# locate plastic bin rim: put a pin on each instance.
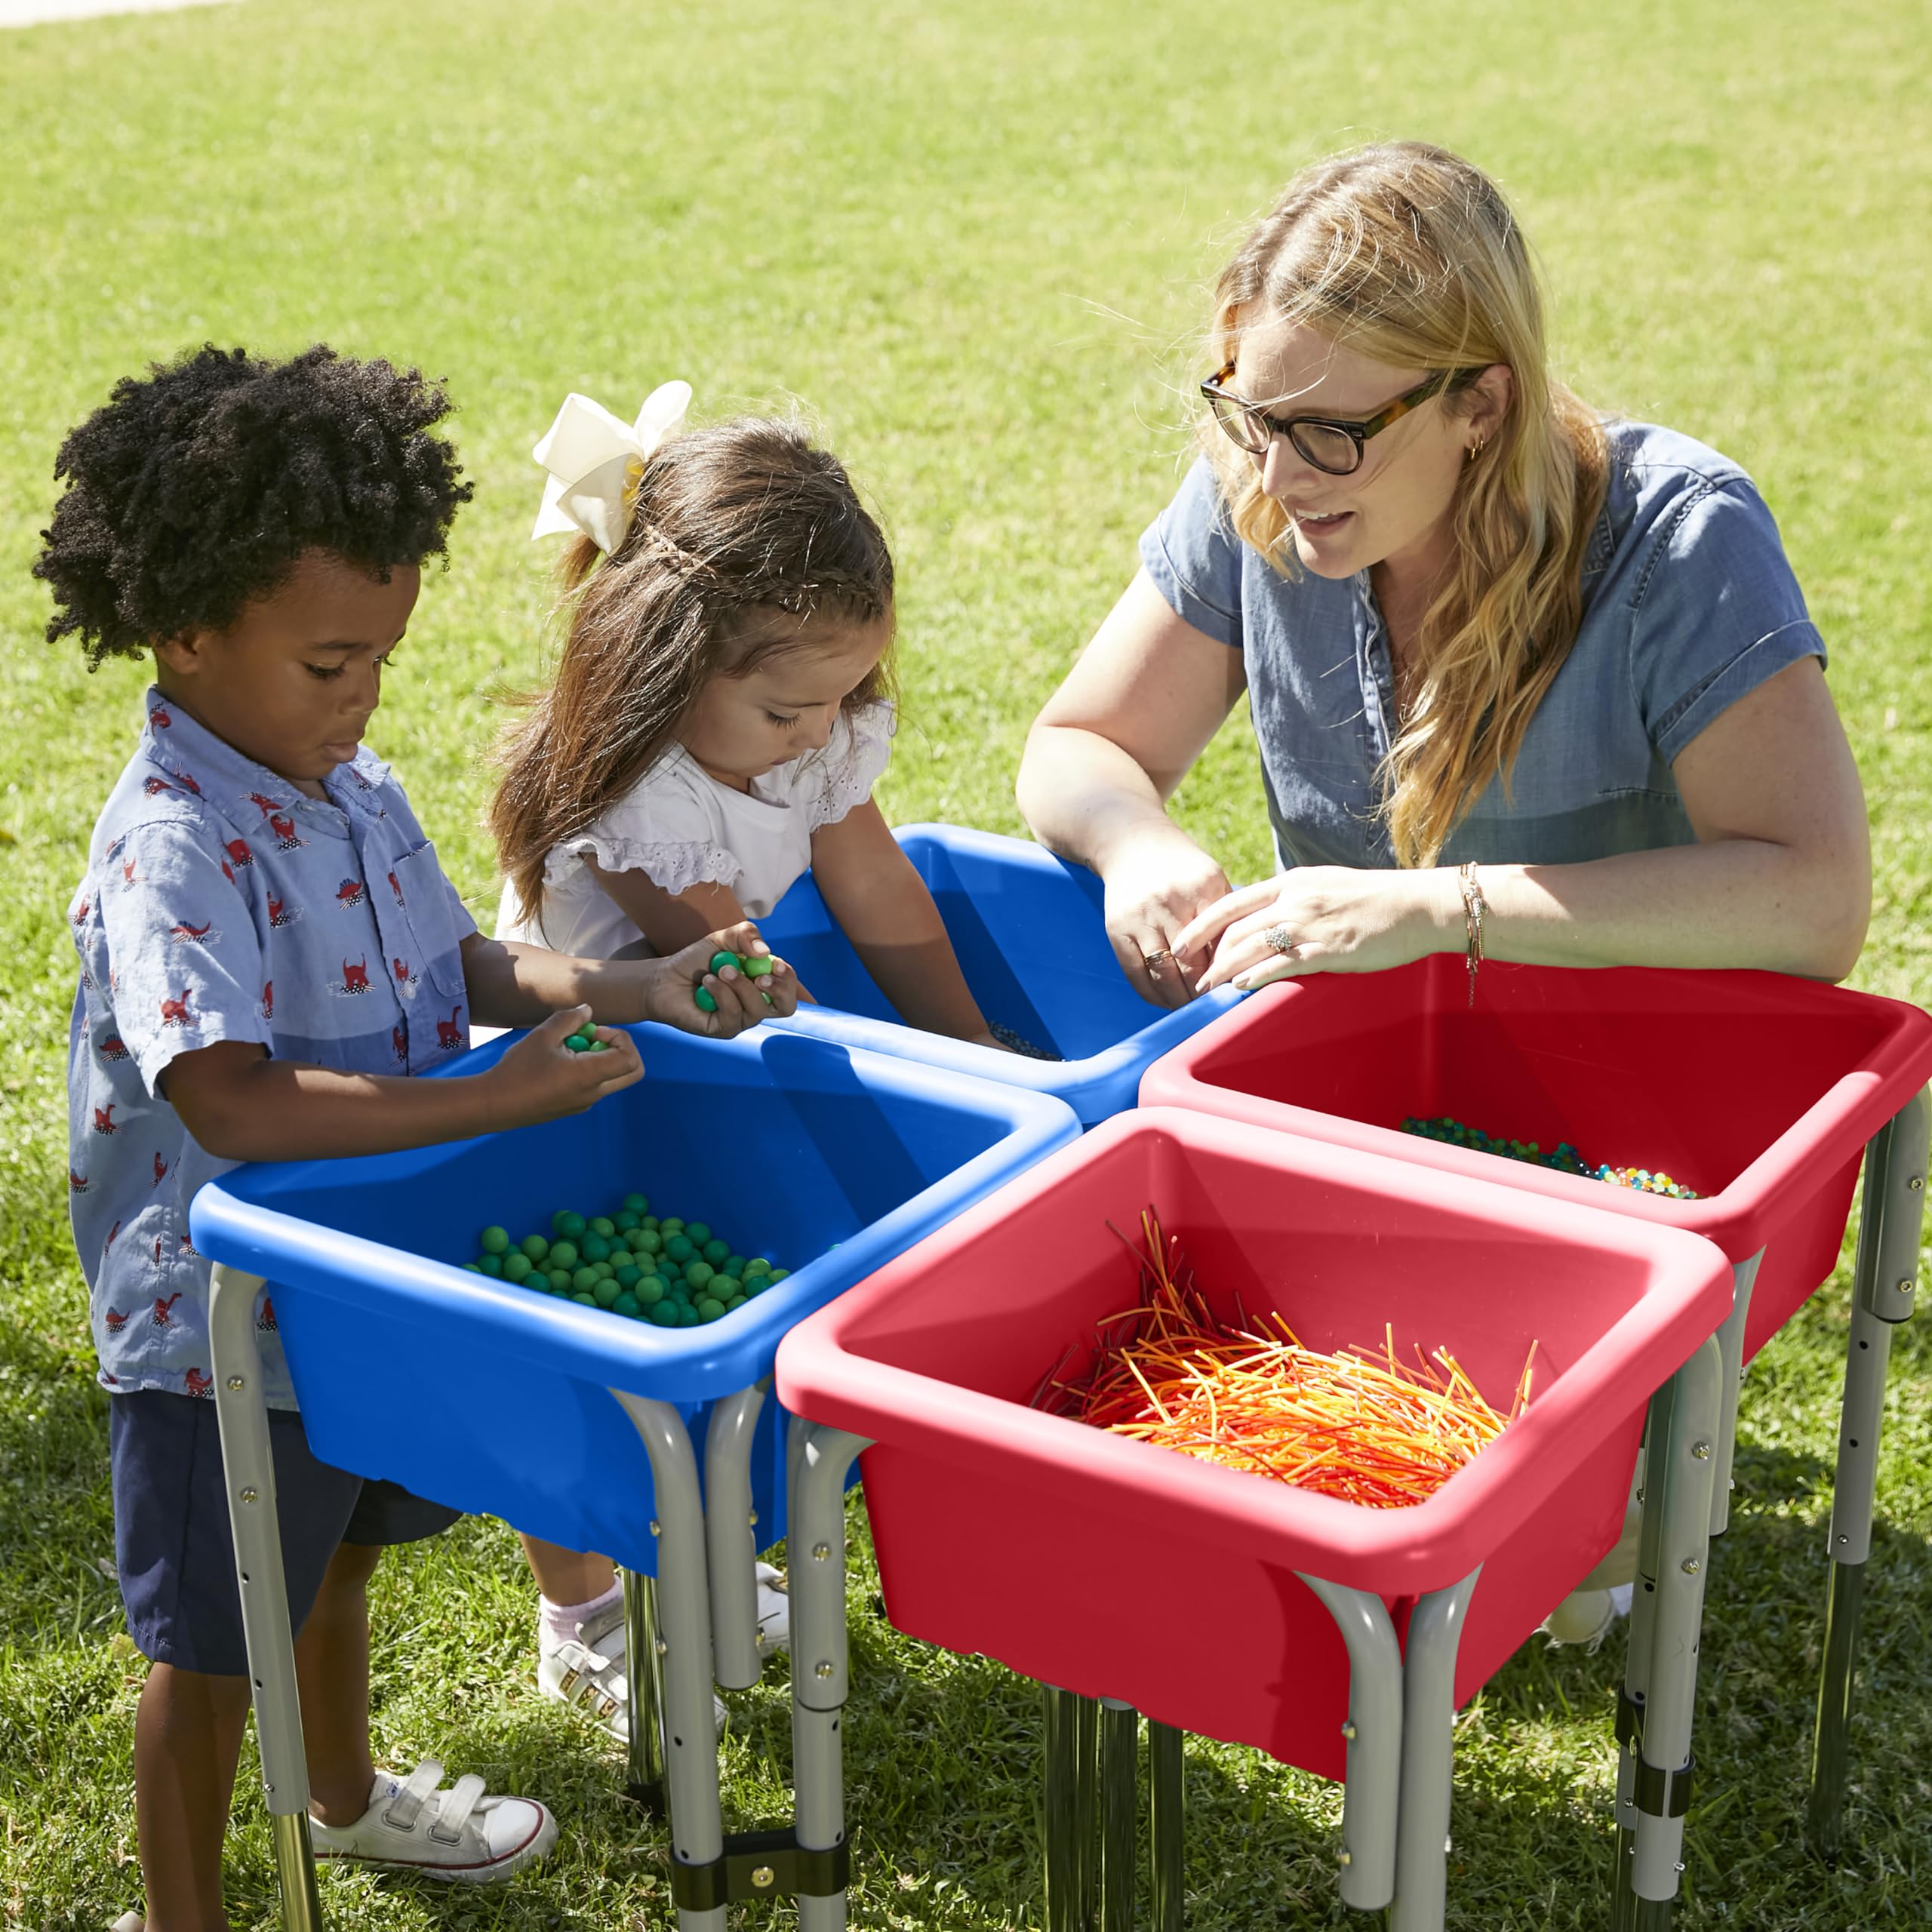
(686, 1364)
(1740, 1217)
(1394, 1551)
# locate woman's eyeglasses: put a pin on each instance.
(1332, 443)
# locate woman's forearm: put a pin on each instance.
(1731, 901)
(1082, 796)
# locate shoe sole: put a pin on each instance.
(536, 1846)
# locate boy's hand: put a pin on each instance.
(742, 999)
(540, 1078)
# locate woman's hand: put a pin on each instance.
(1159, 885)
(540, 1078)
(669, 985)
(1326, 919)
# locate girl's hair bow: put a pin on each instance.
(595, 462)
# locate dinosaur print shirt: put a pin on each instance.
(221, 903)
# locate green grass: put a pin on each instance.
(970, 239)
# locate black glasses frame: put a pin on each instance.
(1235, 416)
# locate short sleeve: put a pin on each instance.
(183, 953)
(852, 763)
(1191, 553)
(1719, 611)
(666, 827)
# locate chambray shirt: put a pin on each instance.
(221, 903)
(1689, 603)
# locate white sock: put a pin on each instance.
(557, 1622)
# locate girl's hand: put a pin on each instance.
(741, 1000)
(1158, 884)
(1333, 919)
(540, 1079)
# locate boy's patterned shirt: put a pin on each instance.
(221, 903)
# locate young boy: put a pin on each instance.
(268, 952)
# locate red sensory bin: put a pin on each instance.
(1756, 1089)
(1112, 1567)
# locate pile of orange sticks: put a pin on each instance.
(1362, 1427)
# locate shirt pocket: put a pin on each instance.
(423, 894)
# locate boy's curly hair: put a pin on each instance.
(194, 489)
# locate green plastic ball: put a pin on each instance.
(733, 1265)
(671, 1225)
(586, 1301)
(637, 1204)
(535, 1247)
(605, 1293)
(594, 1247)
(680, 1247)
(494, 1241)
(630, 1274)
(665, 1315)
(647, 1241)
(626, 1222)
(699, 1274)
(627, 1305)
(559, 1279)
(757, 1265)
(516, 1266)
(696, 1233)
(649, 1290)
(708, 1309)
(602, 1224)
(647, 1223)
(736, 1301)
(563, 1254)
(584, 1279)
(490, 1264)
(717, 1252)
(571, 1227)
(471, 1268)
(779, 1275)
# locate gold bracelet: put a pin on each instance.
(1474, 908)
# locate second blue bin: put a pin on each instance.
(492, 1397)
(1029, 934)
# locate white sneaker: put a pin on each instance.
(587, 1672)
(1587, 1617)
(461, 1834)
(774, 1611)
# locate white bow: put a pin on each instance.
(595, 462)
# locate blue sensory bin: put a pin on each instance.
(1029, 934)
(491, 1397)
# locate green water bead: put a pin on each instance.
(756, 965)
(649, 1290)
(701, 998)
(584, 1279)
(733, 1264)
(471, 1268)
(699, 1274)
(585, 1301)
(696, 1233)
(709, 1309)
(716, 1251)
(736, 1301)
(637, 1204)
(606, 1293)
(721, 959)
(566, 1223)
(628, 1306)
(680, 1247)
(602, 1224)
(490, 1264)
(534, 1247)
(671, 1225)
(630, 1274)
(573, 1045)
(494, 1241)
(563, 1254)
(559, 1279)
(779, 1275)
(626, 1222)
(594, 1247)
(515, 1266)
(647, 1241)
(664, 1314)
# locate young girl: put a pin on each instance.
(721, 712)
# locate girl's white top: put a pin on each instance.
(680, 828)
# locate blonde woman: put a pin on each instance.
(1477, 622)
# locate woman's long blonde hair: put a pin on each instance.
(1410, 255)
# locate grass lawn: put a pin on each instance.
(970, 239)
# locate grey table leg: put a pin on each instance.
(821, 1670)
(1679, 1471)
(1637, 1672)
(1166, 1825)
(643, 1778)
(1429, 1753)
(1885, 1280)
(730, 1524)
(697, 1830)
(1118, 1769)
(1730, 1346)
(1372, 1789)
(248, 1474)
(1086, 1812)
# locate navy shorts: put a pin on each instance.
(173, 1546)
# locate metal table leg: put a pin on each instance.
(1429, 1752)
(697, 1841)
(1372, 1787)
(644, 1775)
(1059, 1838)
(730, 1524)
(1118, 1770)
(820, 1673)
(1884, 1283)
(1730, 1346)
(248, 1473)
(1680, 1467)
(1166, 1825)
(1086, 1717)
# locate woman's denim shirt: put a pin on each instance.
(1689, 603)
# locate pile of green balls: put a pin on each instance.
(674, 1274)
(753, 965)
